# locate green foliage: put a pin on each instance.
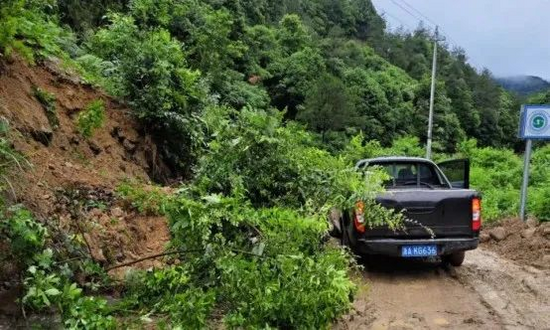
(256, 156)
(47, 282)
(250, 229)
(47, 100)
(150, 72)
(273, 268)
(148, 200)
(328, 107)
(26, 237)
(27, 29)
(289, 291)
(91, 118)
(170, 291)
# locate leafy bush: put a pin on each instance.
(287, 291)
(26, 28)
(268, 266)
(257, 157)
(91, 118)
(26, 236)
(170, 291)
(149, 70)
(150, 200)
(47, 282)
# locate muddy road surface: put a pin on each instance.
(487, 292)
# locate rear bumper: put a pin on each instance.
(392, 247)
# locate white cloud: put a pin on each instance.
(507, 36)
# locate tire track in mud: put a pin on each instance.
(519, 295)
(487, 292)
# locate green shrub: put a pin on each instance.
(27, 27)
(150, 72)
(267, 265)
(258, 157)
(47, 281)
(10, 20)
(91, 118)
(286, 292)
(25, 235)
(150, 200)
(170, 291)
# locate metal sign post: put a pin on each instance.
(534, 125)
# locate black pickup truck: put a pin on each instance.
(443, 214)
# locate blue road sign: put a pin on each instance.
(535, 122)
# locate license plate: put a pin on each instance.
(411, 251)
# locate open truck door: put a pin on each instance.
(457, 171)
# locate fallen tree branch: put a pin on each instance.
(159, 255)
(154, 256)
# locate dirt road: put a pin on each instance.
(487, 292)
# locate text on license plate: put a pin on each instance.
(409, 251)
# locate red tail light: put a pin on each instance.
(359, 216)
(476, 214)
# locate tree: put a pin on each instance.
(328, 107)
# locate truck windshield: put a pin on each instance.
(409, 174)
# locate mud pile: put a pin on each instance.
(524, 242)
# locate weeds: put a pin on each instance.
(147, 200)
(48, 281)
(91, 118)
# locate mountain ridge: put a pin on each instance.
(523, 84)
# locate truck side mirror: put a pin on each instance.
(457, 171)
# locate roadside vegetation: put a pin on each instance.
(264, 110)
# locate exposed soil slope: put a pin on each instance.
(68, 170)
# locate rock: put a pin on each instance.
(95, 212)
(129, 145)
(94, 148)
(484, 237)
(74, 140)
(117, 212)
(498, 234)
(69, 164)
(546, 259)
(546, 232)
(43, 135)
(528, 233)
(98, 255)
(531, 223)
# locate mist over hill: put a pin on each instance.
(523, 84)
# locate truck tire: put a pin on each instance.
(455, 259)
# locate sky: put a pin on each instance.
(509, 37)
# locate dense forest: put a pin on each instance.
(327, 64)
(259, 109)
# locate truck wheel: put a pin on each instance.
(455, 259)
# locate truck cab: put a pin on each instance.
(442, 215)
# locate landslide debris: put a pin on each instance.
(527, 243)
(71, 180)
